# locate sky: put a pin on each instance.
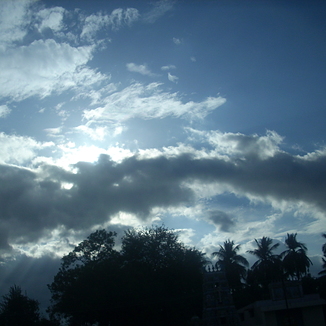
(205, 116)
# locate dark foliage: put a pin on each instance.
(153, 279)
(292, 264)
(295, 260)
(17, 309)
(233, 264)
(267, 269)
(323, 271)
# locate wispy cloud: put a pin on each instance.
(158, 10)
(172, 78)
(150, 102)
(141, 69)
(54, 132)
(96, 133)
(44, 67)
(4, 111)
(168, 67)
(115, 20)
(176, 41)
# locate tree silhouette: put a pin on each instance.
(324, 245)
(233, 264)
(268, 266)
(17, 309)
(77, 289)
(96, 248)
(153, 279)
(323, 272)
(295, 260)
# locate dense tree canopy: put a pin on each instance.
(17, 309)
(153, 279)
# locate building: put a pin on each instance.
(218, 304)
(287, 307)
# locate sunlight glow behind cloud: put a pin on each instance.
(107, 121)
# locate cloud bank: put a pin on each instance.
(36, 202)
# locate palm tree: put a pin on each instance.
(233, 264)
(323, 272)
(295, 260)
(324, 245)
(267, 268)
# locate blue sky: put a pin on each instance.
(207, 116)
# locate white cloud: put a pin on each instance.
(186, 235)
(54, 132)
(71, 154)
(142, 69)
(96, 94)
(19, 149)
(168, 67)
(176, 41)
(119, 17)
(44, 67)
(97, 133)
(68, 154)
(172, 78)
(193, 59)
(115, 20)
(158, 10)
(149, 102)
(13, 21)
(240, 145)
(94, 23)
(126, 219)
(131, 15)
(51, 18)
(4, 111)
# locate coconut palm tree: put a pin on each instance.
(233, 264)
(268, 266)
(324, 245)
(295, 260)
(323, 272)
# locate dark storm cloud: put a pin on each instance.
(27, 205)
(221, 219)
(30, 205)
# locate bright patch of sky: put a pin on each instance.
(205, 116)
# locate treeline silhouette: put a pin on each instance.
(154, 279)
